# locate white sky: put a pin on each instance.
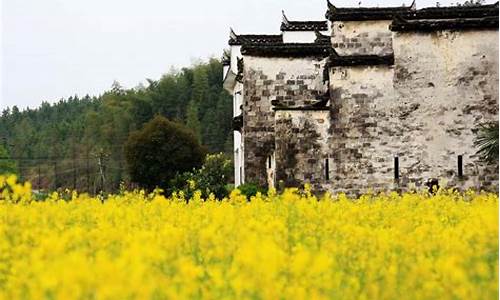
(52, 49)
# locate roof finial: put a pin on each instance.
(413, 5)
(330, 5)
(232, 34)
(285, 19)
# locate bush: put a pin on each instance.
(211, 178)
(159, 151)
(250, 189)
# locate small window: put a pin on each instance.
(396, 168)
(460, 166)
(327, 169)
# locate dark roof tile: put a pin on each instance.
(287, 25)
(403, 25)
(387, 13)
(365, 13)
(287, 50)
(235, 39)
(336, 60)
(454, 12)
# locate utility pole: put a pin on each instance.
(100, 161)
(74, 167)
(88, 173)
(38, 162)
(39, 180)
(56, 181)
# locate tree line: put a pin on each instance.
(74, 142)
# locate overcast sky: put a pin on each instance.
(57, 48)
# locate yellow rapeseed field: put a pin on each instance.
(288, 246)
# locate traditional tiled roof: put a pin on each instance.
(336, 60)
(287, 25)
(365, 13)
(454, 12)
(403, 25)
(322, 39)
(287, 50)
(242, 39)
(387, 13)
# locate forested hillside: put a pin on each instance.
(75, 141)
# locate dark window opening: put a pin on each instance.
(269, 162)
(396, 167)
(460, 166)
(327, 169)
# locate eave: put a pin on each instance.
(401, 25)
(454, 12)
(365, 13)
(238, 40)
(293, 50)
(304, 26)
(336, 60)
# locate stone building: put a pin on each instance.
(379, 98)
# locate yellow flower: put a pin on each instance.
(277, 246)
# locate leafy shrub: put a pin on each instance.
(212, 178)
(487, 142)
(250, 189)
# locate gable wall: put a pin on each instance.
(291, 82)
(452, 76)
(425, 110)
(362, 37)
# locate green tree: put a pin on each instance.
(73, 131)
(193, 121)
(7, 165)
(160, 150)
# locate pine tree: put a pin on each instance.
(7, 165)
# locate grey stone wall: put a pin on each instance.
(301, 148)
(362, 37)
(424, 110)
(286, 82)
(450, 78)
(366, 132)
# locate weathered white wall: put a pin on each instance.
(238, 159)
(365, 131)
(361, 37)
(453, 76)
(239, 168)
(291, 82)
(299, 36)
(425, 109)
(302, 147)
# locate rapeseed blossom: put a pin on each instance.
(276, 246)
